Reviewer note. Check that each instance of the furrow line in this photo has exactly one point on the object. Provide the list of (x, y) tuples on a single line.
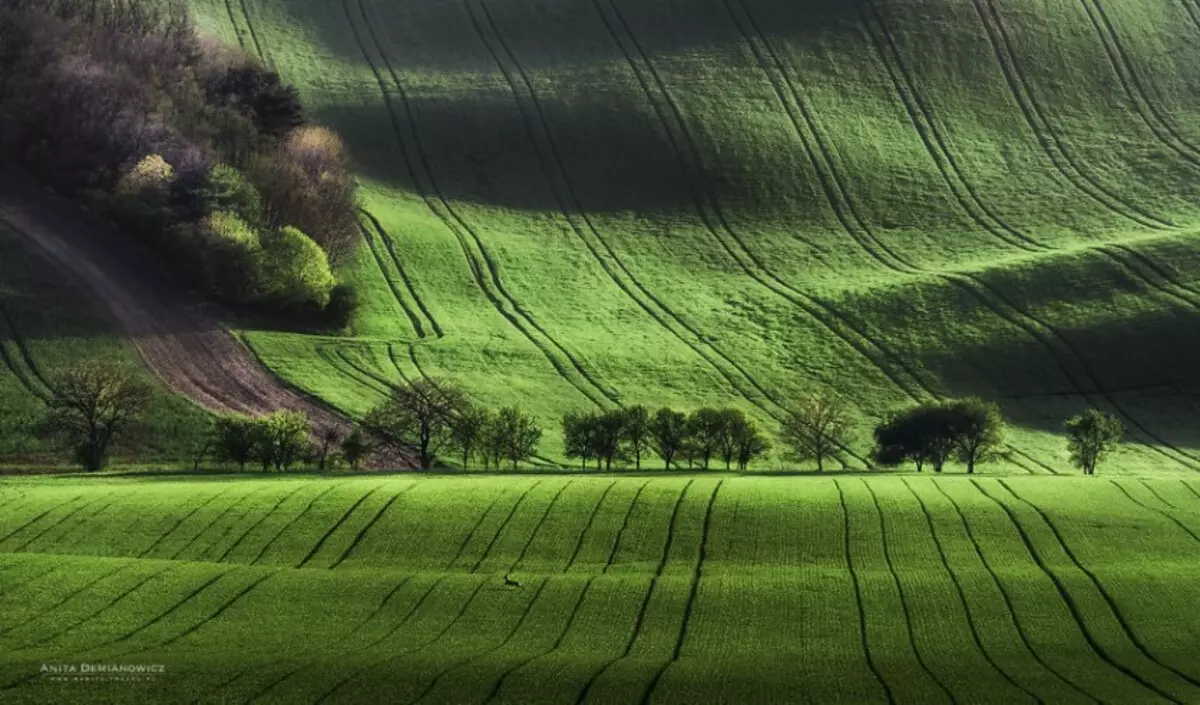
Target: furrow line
[(367, 527), (1052, 143), (413, 319), (258, 47), (693, 591), (178, 522), (475, 657), (571, 207), (1012, 610), (224, 512), (1156, 510), (336, 525), (624, 524), (389, 244), (908, 621), (219, 611), (60, 521), (462, 546), (1158, 496), (237, 31), (289, 525), (1069, 601), (962, 596), (440, 208), (1127, 74), (337, 361), (588, 526), (641, 617), (538, 527), (64, 599), (38, 518), (258, 523), (496, 536), (419, 647), (1112, 604)]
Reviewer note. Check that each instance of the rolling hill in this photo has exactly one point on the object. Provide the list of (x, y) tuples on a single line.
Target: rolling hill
[(583, 203)]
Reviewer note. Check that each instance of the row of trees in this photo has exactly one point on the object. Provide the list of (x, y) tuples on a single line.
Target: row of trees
[(95, 405), (199, 151)]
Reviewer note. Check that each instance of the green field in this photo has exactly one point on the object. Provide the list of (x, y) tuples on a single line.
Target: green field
[(681, 589), (572, 204)]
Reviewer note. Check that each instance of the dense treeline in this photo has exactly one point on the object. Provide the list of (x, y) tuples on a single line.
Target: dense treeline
[(198, 150)]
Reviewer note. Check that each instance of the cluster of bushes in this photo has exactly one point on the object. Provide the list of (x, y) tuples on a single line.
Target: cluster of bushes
[(631, 433), (197, 150), (279, 441)]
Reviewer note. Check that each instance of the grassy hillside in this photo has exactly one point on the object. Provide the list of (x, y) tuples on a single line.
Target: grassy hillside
[(582, 203), (47, 324), (680, 589)]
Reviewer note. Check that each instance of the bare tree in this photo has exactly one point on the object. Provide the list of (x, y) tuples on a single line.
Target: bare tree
[(92, 406), (419, 415), (817, 427)]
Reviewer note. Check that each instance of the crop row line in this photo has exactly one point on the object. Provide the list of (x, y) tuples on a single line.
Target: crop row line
[(1156, 510), (413, 319), (1069, 600), (259, 47), (266, 515), (641, 616), (178, 522), (587, 527), (503, 524), (60, 521), (20, 361), (616, 547), (537, 527), (53, 609), (438, 204), (367, 527), (389, 244), (37, 518), (335, 357), (283, 529), (1008, 601), (1127, 74), (570, 206), (336, 525), (229, 507)]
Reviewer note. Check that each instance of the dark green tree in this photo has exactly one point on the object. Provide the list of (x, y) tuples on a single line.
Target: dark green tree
[(668, 431), (1092, 435), (638, 437), (419, 415)]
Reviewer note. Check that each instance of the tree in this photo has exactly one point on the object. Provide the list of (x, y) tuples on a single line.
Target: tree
[(978, 430), (749, 444), (817, 427), (1092, 435), (419, 415), (931, 433), (735, 425), (467, 430), (295, 270), (705, 427), (668, 431), (93, 406), (281, 439), (327, 438), (577, 429), (356, 447), (520, 434), (608, 437), (637, 432), (235, 439)]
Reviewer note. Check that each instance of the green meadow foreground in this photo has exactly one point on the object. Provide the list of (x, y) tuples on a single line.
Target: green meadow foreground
[(681, 588)]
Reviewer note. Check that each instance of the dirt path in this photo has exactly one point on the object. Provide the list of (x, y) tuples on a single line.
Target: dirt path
[(184, 346)]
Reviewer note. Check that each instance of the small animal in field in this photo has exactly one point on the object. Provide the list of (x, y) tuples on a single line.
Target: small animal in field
[(510, 582)]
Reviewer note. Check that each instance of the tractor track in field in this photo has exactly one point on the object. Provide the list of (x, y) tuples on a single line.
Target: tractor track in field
[(693, 591), (588, 526), (266, 515), (331, 354), (37, 518), (65, 599), (1143, 505), (463, 610), (908, 620), (591, 388), (1159, 497), (60, 521), (641, 616), (376, 237), (624, 524), (95, 613), (1193, 10), (843, 205), (283, 529), (26, 583), (1069, 601), (362, 533), (576, 216), (1127, 74), (82, 523), (1126, 627), (337, 525), (962, 597), (219, 611), (203, 532), (181, 343), (349, 634), (179, 522), (1051, 141), (389, 244), (922, 118), (386, 386), (1012, 610), (258, 46), (538, 527), (462, 545), (479, 655), (1191, 489), (858, 599), (237, 30), (21, 361), (562, 635), (503, 525)]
